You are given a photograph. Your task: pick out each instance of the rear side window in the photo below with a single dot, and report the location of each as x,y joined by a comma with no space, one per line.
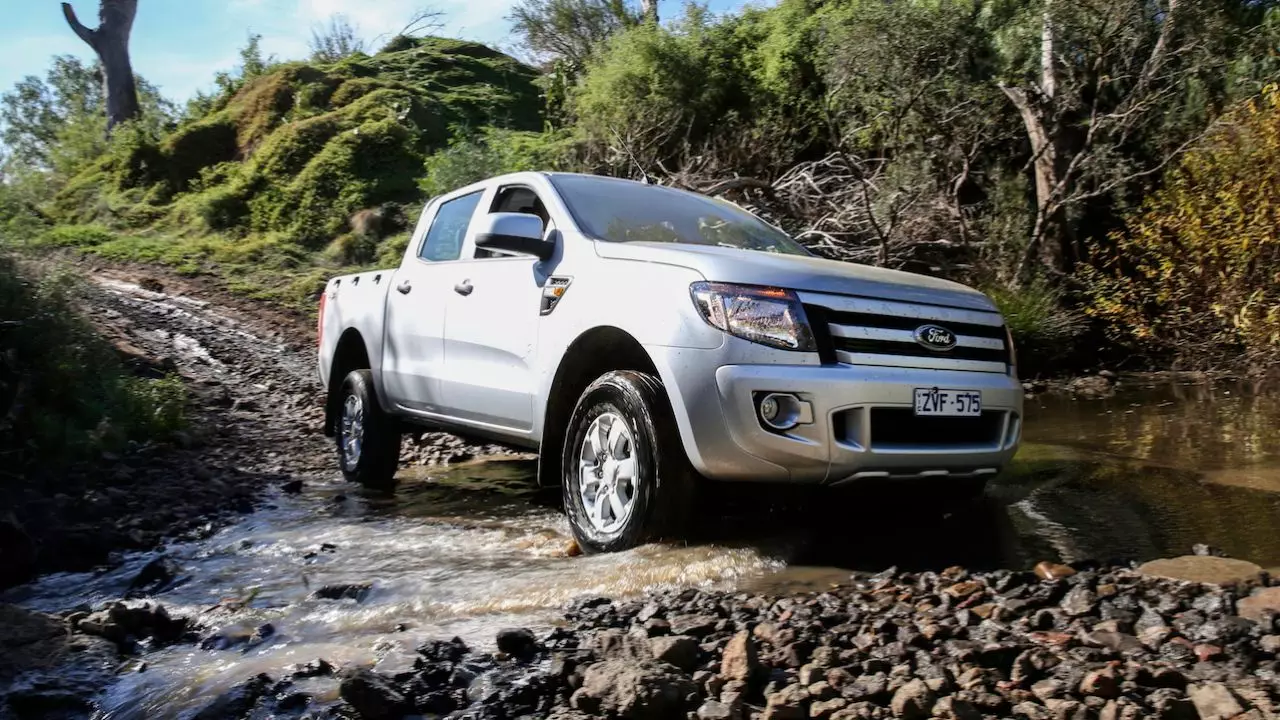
449,228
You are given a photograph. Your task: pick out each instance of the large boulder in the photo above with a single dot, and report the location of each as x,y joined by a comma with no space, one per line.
1204,569
636,690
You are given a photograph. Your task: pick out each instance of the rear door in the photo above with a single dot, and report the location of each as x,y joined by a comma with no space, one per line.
413,357
491,331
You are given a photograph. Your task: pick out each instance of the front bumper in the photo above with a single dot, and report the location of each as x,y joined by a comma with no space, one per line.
862,426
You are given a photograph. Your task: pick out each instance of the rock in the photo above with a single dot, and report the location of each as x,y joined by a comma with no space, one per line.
1204,569
319,668
1172,705
638,690
1080,600
789,703
1053,571
1091,387
293,487
1067,709
1270,644
715,710
1214,701
155,577
913,701
1032,711
449,651
679,650
1116,642
614,644
352,591
955,708
238,701
698,626
1101,683
1047,688
372,696
740,660
1259,604
964,589
518,643
825,709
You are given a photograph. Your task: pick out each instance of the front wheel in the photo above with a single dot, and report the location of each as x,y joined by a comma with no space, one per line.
626,478
368,440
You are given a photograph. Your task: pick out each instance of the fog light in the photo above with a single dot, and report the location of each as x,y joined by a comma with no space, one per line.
769,408
783,411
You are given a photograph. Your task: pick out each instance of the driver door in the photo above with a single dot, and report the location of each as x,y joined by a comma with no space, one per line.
491,331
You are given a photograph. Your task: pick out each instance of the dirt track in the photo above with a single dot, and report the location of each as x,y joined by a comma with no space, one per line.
255,414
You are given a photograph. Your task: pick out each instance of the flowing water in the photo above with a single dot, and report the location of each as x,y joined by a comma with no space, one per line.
472,549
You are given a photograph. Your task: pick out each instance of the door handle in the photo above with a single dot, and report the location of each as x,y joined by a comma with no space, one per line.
404,287
463,288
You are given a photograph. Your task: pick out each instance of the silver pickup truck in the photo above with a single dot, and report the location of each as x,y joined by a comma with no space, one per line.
646,341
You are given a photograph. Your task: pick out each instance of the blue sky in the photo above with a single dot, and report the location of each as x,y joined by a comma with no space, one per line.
180,44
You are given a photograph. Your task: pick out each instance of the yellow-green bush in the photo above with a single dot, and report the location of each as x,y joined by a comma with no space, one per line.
1195,277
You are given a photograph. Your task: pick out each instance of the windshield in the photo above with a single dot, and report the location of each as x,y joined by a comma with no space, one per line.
625,211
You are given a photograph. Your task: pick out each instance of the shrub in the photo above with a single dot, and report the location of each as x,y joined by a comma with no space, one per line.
79,236
63,392
1044,331
1195,277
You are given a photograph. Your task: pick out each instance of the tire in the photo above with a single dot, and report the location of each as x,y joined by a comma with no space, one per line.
368,439
662,482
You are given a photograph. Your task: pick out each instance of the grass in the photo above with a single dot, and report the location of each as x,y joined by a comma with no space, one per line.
269,268
64,393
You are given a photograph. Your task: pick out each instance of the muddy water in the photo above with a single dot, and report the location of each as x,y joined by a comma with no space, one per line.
473,549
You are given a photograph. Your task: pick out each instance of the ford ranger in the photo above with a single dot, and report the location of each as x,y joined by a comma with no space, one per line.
647,340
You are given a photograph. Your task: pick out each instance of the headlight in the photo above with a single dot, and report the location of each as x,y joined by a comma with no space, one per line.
769,316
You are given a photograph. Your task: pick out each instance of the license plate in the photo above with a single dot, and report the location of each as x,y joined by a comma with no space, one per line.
948,403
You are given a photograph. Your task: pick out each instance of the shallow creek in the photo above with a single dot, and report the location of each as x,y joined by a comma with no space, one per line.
468,550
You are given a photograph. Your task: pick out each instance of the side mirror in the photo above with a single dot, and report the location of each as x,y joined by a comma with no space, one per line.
514,232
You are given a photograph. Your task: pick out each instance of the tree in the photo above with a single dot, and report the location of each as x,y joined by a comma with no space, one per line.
571,30
338,40
111,42
57,122
1106,74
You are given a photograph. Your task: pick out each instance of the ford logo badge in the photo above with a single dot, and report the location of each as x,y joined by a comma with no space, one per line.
935,337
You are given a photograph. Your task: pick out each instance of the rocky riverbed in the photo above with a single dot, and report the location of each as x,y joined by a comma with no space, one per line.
1191,637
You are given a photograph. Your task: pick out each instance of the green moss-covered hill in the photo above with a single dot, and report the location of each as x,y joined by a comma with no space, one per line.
297,151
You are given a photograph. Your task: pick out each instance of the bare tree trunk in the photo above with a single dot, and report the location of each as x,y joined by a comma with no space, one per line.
1046,244
111,42
649,11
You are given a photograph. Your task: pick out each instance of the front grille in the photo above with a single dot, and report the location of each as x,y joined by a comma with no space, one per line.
858,330
893,347
901,426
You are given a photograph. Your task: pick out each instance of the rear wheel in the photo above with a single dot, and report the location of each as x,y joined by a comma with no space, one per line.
368,439
626,480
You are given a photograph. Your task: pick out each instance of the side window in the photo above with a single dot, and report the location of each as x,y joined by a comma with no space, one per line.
515,199
449,228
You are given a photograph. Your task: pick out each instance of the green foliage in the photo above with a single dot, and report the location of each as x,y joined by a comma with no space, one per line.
298,148
80,236
63,392
471,158
1193,278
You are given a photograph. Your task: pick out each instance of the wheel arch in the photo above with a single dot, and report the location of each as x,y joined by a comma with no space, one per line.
349,354
592,354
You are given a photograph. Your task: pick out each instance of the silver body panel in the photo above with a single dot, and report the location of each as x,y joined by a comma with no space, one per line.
486,360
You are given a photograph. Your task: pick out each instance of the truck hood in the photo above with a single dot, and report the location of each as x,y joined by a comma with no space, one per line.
796,272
